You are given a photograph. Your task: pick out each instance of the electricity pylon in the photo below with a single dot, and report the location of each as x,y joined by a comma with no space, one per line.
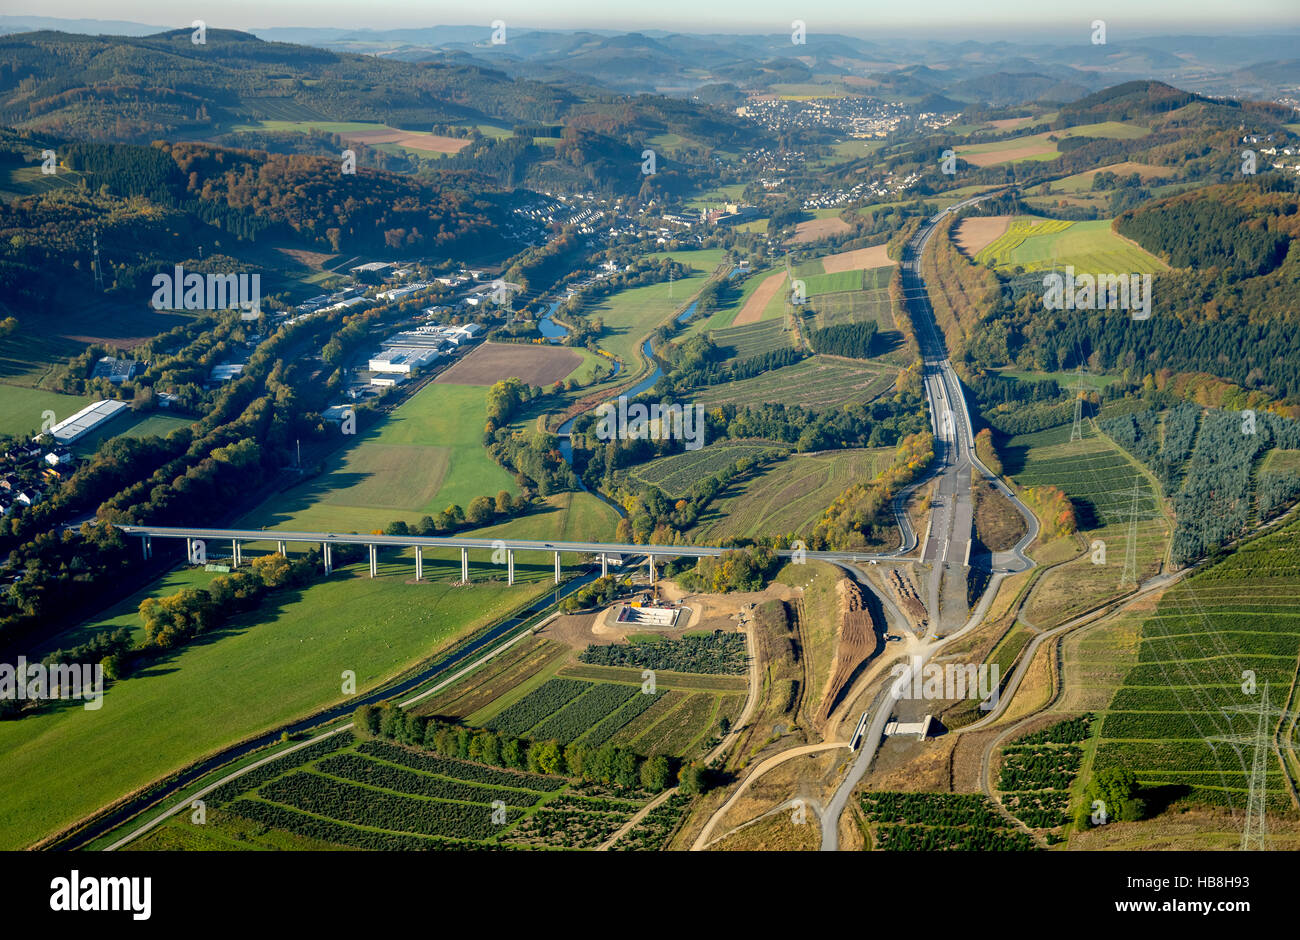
1076,433
1254,834
99,277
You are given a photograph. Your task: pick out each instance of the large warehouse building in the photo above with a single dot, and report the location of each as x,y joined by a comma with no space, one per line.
87,419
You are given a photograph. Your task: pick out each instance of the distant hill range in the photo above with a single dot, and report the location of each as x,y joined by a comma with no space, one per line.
1006,72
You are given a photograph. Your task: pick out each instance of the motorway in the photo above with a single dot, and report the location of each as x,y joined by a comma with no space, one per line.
948,542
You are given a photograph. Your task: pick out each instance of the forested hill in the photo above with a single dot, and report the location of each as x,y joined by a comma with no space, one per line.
125,88
145,197
1144,101
128,89
1241,229
1230,306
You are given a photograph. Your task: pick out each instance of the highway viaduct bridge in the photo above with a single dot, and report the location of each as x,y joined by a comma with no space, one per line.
606,551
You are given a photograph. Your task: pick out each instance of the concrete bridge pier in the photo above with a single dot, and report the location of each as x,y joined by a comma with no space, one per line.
651,559
282,548
235,557
464,565
146,547
510,566
557,567
374,562
419,563
327,557
604,565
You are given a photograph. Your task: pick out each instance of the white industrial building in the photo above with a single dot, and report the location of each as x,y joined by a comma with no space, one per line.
397,293
86,420
403,359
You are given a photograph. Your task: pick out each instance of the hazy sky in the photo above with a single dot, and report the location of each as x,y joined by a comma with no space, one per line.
985,18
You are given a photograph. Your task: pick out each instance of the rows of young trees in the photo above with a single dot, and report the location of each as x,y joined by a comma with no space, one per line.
1163,446
716,653
653,517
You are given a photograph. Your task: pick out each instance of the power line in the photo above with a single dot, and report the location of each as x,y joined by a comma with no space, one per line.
1130,558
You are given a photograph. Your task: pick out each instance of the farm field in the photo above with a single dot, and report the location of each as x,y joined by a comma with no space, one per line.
488,363
684,725
29,180
789,496
499,675
700,260
751,303
568,517
1082,182
1093,473
395,471
664,679
259,670
1281,461
676,473
757,299
1091,247
1081,583
1037,770
1039,147
732,192
1187,686
27,355
633,314
817,382
857,260
836,283
904,822
372,134
21,409
817,228
378,795
975,233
